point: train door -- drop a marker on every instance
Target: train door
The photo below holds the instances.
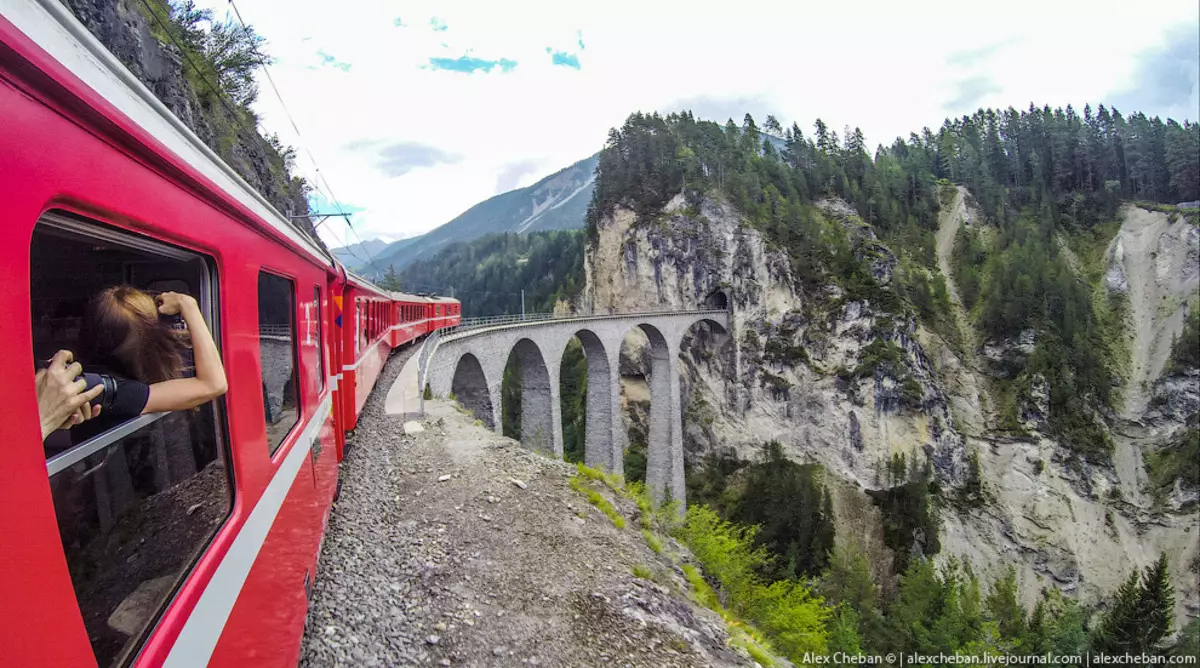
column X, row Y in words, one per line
column 335, row 340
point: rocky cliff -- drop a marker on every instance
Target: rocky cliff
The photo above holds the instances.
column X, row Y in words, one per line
column 147, row 43
column 849, row 385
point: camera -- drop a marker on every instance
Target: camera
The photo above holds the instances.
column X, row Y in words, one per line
column 106, row 398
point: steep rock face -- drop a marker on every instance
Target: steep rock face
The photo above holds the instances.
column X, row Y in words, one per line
column 124, row 29
column 1154, row 262
column 778, row 379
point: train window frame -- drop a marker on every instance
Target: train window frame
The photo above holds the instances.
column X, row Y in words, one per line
column 320, row 316
column 275, row 450
column 60, row 465
column 209, row 288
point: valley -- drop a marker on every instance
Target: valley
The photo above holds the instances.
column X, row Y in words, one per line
column 991, row 385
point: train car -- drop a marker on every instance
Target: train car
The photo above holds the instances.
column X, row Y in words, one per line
column 383, row 322
column 367, row 343
column 411, row 316
column 182, row 538
column 443, row 312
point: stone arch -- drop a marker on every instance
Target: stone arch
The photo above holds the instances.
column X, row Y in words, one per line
column 703, row 343
column 662, row 459
column 470, row 385
column 537, row 397
column 601, row 390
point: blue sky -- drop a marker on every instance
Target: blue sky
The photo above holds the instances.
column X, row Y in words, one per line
column 418, row 110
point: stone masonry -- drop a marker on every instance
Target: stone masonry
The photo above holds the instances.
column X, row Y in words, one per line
column 471, row 365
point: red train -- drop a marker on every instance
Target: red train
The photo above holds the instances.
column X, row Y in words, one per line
column 182, row 538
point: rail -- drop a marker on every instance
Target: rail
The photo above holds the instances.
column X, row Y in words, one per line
column 468, row 325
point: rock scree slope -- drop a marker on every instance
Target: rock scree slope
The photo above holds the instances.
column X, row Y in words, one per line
column 455, row 546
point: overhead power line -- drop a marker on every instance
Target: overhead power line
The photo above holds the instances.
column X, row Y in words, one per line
column 319, row 175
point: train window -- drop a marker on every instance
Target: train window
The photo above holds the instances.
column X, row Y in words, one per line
column 277, row 347
column 319, row 314
column 138, row 502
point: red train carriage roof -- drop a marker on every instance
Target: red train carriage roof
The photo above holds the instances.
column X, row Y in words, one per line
column 362, row 282
column 55, row 30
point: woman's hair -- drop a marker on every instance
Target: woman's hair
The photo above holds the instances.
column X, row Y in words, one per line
column 121, row 331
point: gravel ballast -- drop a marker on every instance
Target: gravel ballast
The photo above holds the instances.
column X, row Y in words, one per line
column 454, row 546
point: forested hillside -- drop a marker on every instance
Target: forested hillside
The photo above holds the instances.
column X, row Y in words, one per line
column 557, row 202
column 857, row 230
column 1036, row 174
column 489, row 273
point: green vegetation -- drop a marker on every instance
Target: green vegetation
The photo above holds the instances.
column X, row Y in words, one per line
column 1141, row 616
column 653, row 542
column 787, row 612
column 487, row 274
column 610, row 480
column 219, row 59
column 908, row 502
column 1036, row 175
column 786, row 500
column 510, row 399
column 573, row 398
column 597, row 499
column 1185, row 353
column 642, row 572
column 1178, row 461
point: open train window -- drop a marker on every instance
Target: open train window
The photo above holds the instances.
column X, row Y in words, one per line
column 277, row 348
column 139, row 501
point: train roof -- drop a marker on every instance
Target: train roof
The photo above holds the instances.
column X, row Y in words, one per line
column 50, row 25
column 366, row 283
column 406, row 297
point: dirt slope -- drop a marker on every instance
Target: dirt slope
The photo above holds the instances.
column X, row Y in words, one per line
column 960, row 369
column 435, row 556
column 1155, row 262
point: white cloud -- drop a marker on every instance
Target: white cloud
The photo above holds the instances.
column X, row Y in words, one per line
column 890, row 68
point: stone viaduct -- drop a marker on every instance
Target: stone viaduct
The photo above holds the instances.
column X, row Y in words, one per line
column 470, row 364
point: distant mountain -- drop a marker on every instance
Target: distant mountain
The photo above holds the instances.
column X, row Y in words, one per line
column 557, row 202
column 355, row 256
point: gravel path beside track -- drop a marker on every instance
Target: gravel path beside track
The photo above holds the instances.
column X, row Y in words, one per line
column 456, row 546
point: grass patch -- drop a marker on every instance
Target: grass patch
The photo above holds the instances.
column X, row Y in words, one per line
column 1177, row 461
column 653, row 541
column 740, row 634
column 702, row 591
column 597, row 499
column 611, row 480
column 756, row 651
column 642, row 572
column 638, row 493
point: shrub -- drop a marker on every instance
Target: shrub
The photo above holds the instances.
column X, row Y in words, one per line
column 787, row 611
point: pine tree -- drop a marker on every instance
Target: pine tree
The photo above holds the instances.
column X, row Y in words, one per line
column 1005, row 608
column 1156, row 606
column 1141, row 615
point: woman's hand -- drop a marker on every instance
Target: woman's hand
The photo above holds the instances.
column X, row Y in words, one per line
column 62, row 401
column 173, row 303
